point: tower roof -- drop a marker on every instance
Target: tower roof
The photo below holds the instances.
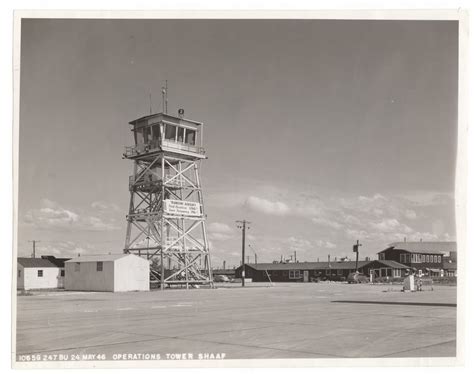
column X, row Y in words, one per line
column 165, row 116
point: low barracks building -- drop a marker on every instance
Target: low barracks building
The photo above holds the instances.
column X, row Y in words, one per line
column 306, row 271
column 113, row 273
column 429, row 258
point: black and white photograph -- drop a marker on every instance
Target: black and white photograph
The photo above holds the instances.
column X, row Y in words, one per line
column 215, row 190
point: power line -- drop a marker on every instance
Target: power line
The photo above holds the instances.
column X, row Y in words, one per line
column 255, row 253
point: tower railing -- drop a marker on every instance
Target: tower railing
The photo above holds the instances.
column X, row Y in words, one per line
column 135, row 150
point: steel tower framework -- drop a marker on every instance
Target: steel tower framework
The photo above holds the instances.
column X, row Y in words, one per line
column 166, row 220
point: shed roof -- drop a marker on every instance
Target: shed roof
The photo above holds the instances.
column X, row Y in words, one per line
column 423, row 247
column 101, row 258
column 29, row 262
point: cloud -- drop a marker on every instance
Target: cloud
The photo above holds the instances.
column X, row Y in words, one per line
column 65, row 248
column 103, row 206
column 226, row 199
column 326, row 222
column 218, row 227
column 304, row 244
column 428, row 198
column 390, row 225
column 220, row 231
column 54, row 217
column 219, row 236
column 325, row 244
column 97, row 224
column 51, row 215
column 378, row 212
column 410, row 214
column 266, row 206
column 299, row 243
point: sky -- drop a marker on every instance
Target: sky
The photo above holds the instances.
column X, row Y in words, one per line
column 319, row 132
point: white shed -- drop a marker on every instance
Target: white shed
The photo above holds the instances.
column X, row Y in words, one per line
column 113, row 273
column 38, row 273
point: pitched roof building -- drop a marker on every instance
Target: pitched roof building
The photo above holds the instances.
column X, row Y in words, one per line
column 40, row 273
column 423, row 257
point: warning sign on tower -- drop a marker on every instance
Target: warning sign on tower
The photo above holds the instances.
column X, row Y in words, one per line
column 182, row 208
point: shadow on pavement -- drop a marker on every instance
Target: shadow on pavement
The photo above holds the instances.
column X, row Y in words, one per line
column 393, row 303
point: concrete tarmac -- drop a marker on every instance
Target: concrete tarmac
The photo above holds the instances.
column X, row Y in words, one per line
column 311, row 320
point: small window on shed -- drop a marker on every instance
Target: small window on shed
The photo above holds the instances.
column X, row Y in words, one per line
column 100, row 265
column 62, row 273
column 19, row 273
column 328, row 271
column 77, row 266
column 40, row 273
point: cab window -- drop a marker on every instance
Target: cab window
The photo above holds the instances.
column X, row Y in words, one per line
column 190, row 137
column 170, row 132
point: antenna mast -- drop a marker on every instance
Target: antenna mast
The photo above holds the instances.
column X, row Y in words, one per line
column 151, row 111
column 164, row 97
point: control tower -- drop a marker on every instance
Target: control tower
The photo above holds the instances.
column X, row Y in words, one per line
column 166, row 220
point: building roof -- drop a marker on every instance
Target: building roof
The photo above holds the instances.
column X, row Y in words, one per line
column 306, row 265
column 101, row 258
column 29, row 262
column 423, row 247
column 344, row 265
column 392, row 264
column 59, row 262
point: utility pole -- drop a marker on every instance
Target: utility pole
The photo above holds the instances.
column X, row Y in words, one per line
column 34, row 246
column 255, row 258
column 244, row 226
column 355, row 248
column 295, row 256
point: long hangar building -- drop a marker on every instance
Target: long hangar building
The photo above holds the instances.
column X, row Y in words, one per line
column 427, row 258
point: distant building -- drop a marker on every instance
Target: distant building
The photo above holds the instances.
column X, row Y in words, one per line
column 423, row 257
column 113, row 273
column 450, row 262
column 305, row 271
column 46, row 272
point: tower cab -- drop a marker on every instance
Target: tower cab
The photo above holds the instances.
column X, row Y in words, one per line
column 165, row 133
